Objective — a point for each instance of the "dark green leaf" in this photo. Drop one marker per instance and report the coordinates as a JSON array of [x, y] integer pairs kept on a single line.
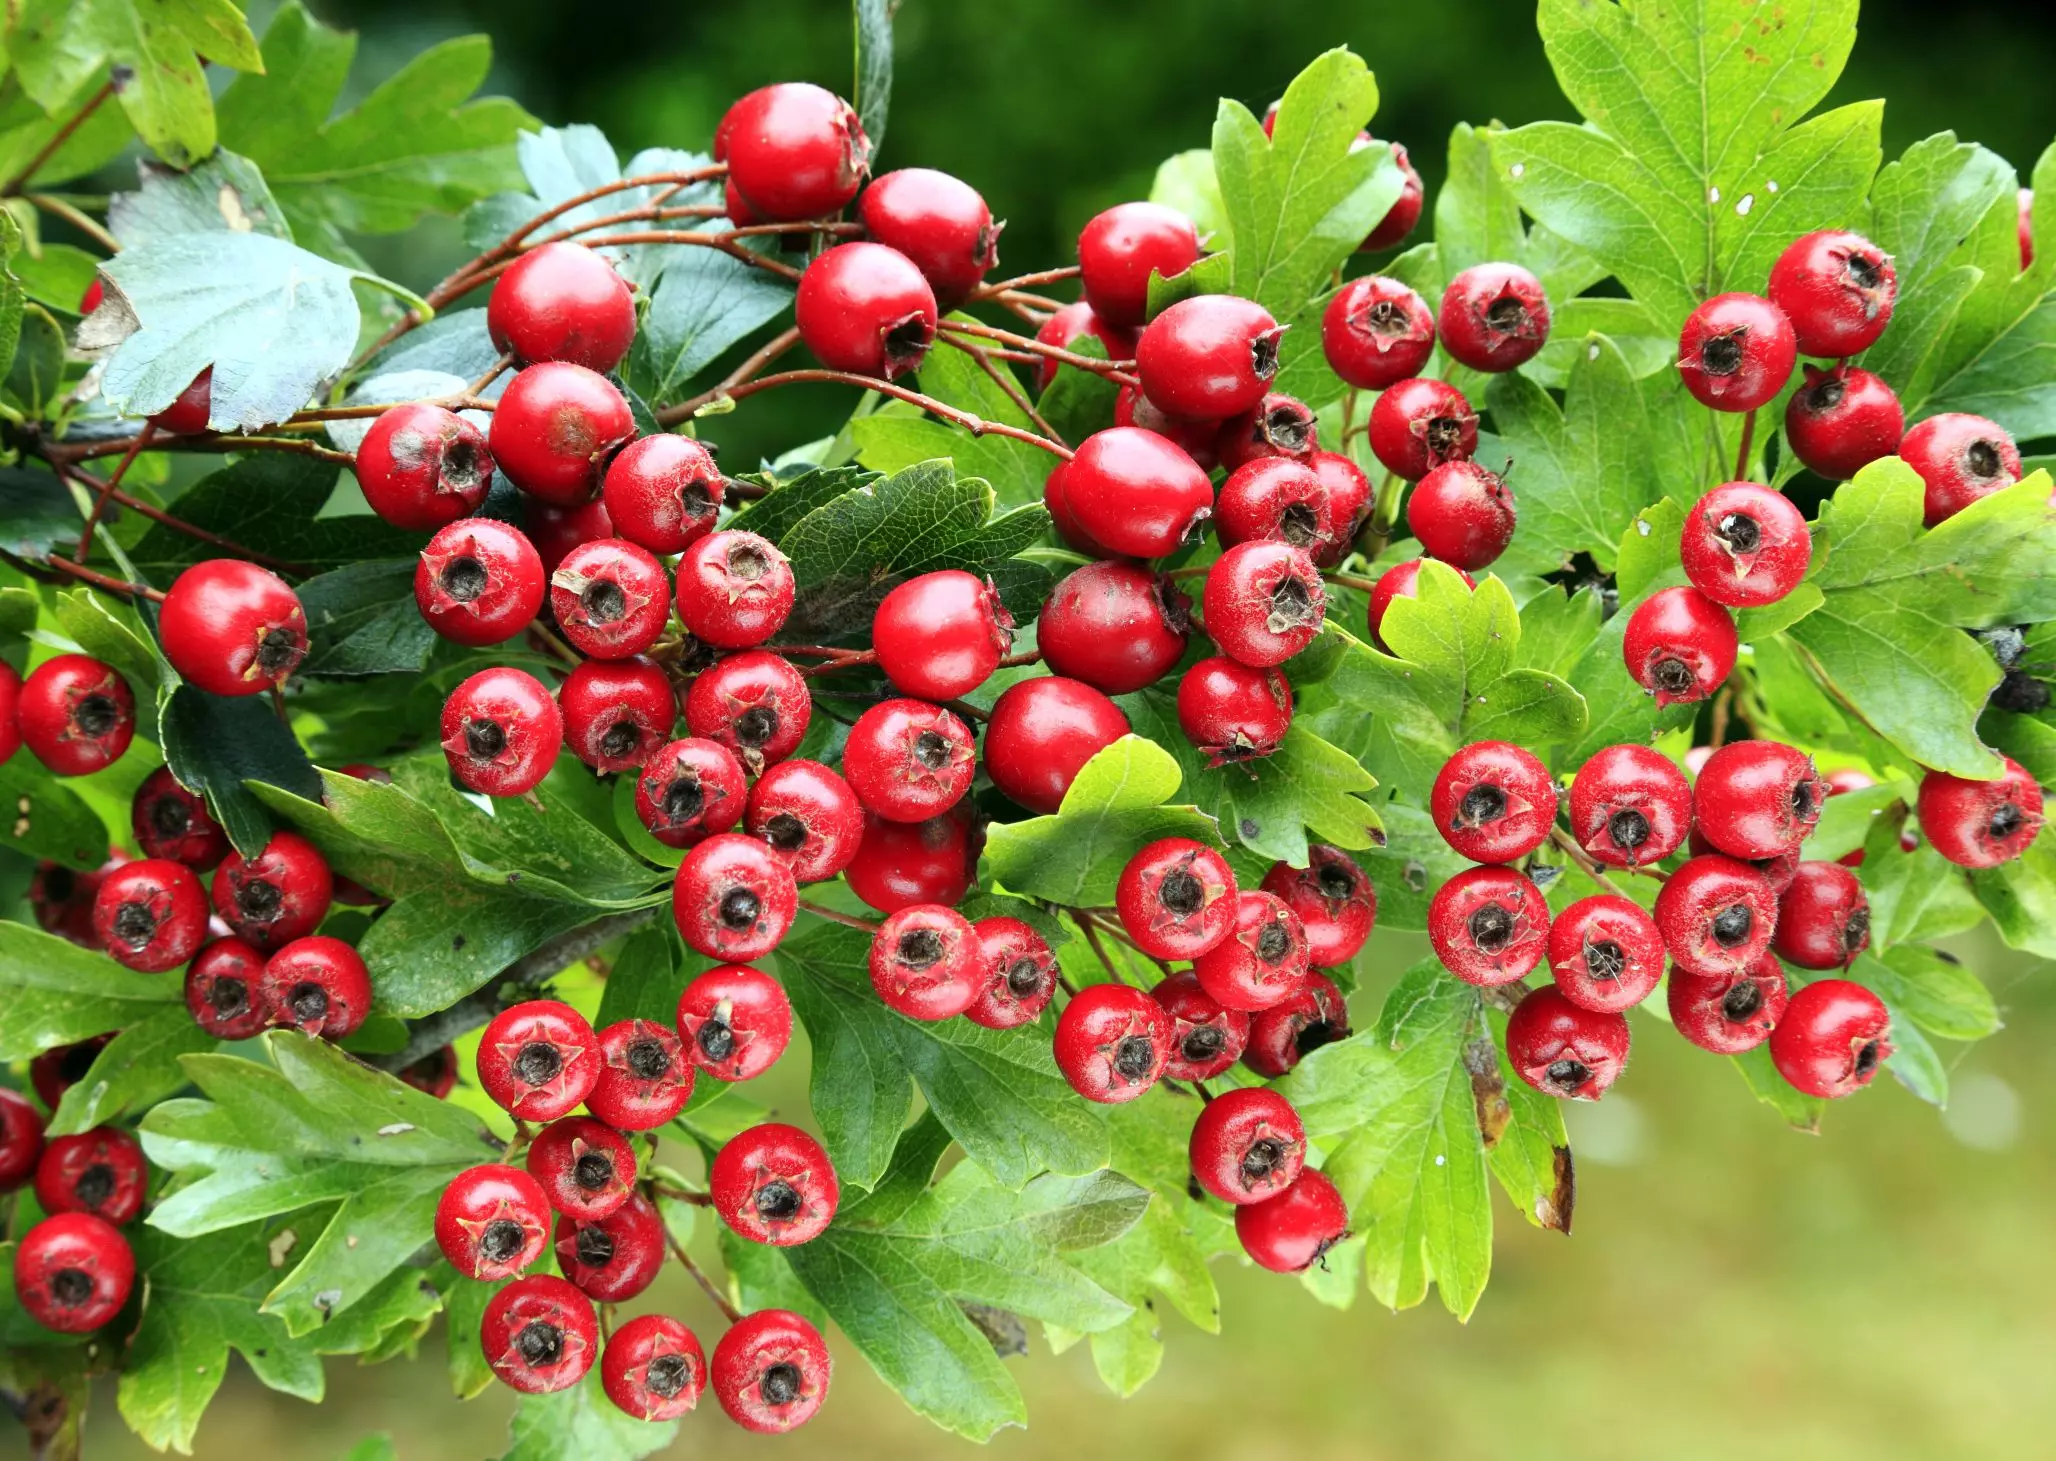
[[271, 502], [214, 745], [133, 1071], [36, 511], [362, 620], [46, 819], [52, 992], [873, 93], [704, 301], [1933, 991], [647, 977]]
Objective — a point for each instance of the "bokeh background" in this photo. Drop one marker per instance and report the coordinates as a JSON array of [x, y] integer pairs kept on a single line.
[[1733, 1287]]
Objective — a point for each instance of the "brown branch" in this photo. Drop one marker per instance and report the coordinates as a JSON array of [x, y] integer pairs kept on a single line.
[[769, 351], [845, 919], [728, 1310], [84, 222], [1569, 845], [113, 481], [177, 524], [62, 135], [1004, 379], [101, 580], [1111, 369], [1021, 281], [976, 425]]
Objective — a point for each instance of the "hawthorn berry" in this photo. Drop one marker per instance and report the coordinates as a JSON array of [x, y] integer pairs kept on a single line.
[[1335, 902], [539, 1059], [1261, 961], [1981, 823], [501, 732], [663, 492], [1630, 806], [1176, 898], [1605, 953], [645, 1078], [1206, 1036], [1296, 1026], [610, 598], [899, 864], [939, 222], [279, 895], [653, 1368], [76, 714], [150, 915], [1744, 545], [927, 962], [586, 1167], [735, 1022], [562, 301], [1075, 322], [865, 309], [492, 1221], [554, 429], [192, 410], [1112, 1043], [317, 985], [1115, 626], [1376, 332], [21, 1139], [774, 1184], [1462, 514], [423, 467], [1349, 502], [1294, 1230], [1493, 802], [479, 582], [1961, 458], [435, 1074], [941, 635], [1563, 1049], [1208, 357], [1040, 734], [539, 1334], [63, 897], [99, 1171], [1716, 915], [1488, 925], [1401, 581], [1119, 249], [2026, 229], [617, 714], [733, 898], [1135, 492], [1277, 426], [770, 1371], [808, 816], [1736, 352], [754, 703], [1234, 712], [689, 790], [172, 822], [222, 990], [1837, 288], [1275, 499], [1842, 420], [794, 150], [1823, 917], [1494, 317], [1729, 1013], [612, 1259], [1058, 504], [1758, 799], [73, 1272], [734, 589], [556, 528], [1016, 974], [1247, 1145], [908, 761], [1680, 645], [1401, 218], [1417, 425], [1833, 1039]]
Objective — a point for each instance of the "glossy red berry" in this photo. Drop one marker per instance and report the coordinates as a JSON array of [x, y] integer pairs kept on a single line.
[[73, 1272], [770, 1371], [612, 1259], [1277, 426], [1208, 357], [1744, 545], [1493, 802], [1494, 317], [1112, 1043], [1777, 870], [1040, 735], [1349, 503], [1981, 823], [434, 1074], [554, 429], [1401, 218], [232, 628], [794, 150], [1630, 806], [501, 732], [1296, 1026], [10, 711], [1116, 626], [1075, 322], [479, 582], [610, 598], [941, 635], [1065, 521], [539, 1334], [1291, 1232], [317, 985], [1961, 458], [1263, 959], [1401, 581], [774, 1184], [99, 1171], [1736, 352], [492, 1221], [586, 1167], [1376, 332], [62, 898], [908, 761], [1462, 514], [1234, 712], [1275, 499], [927, 962], [21, 1140], [422, 467], [1206, 1036], [1680, 645], [562, 301], [663, 492], [1563, 1049], [172, 822], [1177, 898], [1842, 420], [2026, 229], [150, 915], [645, 1078], [96, 291], [1758, 798], [733, 898], [1334, 900], [1823, 917], [539, 1059], [1605, 953], [1729, 1013], [735, 1022], [1017, 974], [1135, 492], [1837, 288], [734, 589], [279, 895], [1488, 925], [653, 1368], [1833, 1039], [1717, 915], [865, 309], [556, 528], [192, 411], [754, 703], [618, 713], [1247, 1145], [1417, 425], [808, 816], [899, 864], [938, 221], [1120, 248], [76, 714], [688, 790]]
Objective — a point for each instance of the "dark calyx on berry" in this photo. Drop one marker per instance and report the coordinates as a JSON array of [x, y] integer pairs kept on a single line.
[[259, 900], [308, 1001], [277, 651], [1605, 960], [595, 1246], [170, 817], [1482, 803], [501, 1240], [485, 739], [1273, 942], [2006, 820], [778, 1201], [1262, 1159], [1134, 1057], [683, 799], [1720, 355], [1742, 1001], [95, 715], [1672, 675], [463, 579], [603, 601], [648, 1060], [593, 1170], [1629, 829], [71, 1287], [931, 749], [1856, 932], [666, 1375], [756, 726], [1182, 893], [1024, 978], [781, 1384], [1732, 925], [228, 997], [716, 1039], [1739, 531], [1491, 928], [95, 1185], [1301, 528], [1204, 1043], [786, 832], [1292, 602], [1316, 1033], [538, 1063], [134, 924], [740, 908], [1335, 883], [620, 738], [920, 948], [1567, 1074], [539, 1343]]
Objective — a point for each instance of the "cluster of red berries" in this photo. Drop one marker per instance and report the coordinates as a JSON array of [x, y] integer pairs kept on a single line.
[[74, 1269]]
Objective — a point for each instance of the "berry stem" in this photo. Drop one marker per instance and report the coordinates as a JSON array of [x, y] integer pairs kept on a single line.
[[84, 222], [101, 580], [833, 916], [1723, 708], [976, 425], [1351, 580], [1024, 281], [1384, 513], [113, 481], [682, 1194], [1091, 931], [15, 184], [177, 524], [728, 1310], [1569, 845], [1004, 379], [1111, 369], [1748, 440]]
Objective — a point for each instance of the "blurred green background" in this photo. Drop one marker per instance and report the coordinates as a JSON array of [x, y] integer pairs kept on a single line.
[[1733, 1288]]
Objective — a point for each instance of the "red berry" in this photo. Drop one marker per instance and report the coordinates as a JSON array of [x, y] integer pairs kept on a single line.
[[1823, 917], [501, 732], [96, 291], [435, 1074], [1335, 902], [808, 816], [754, 703], [1017, 974], [1199, 440], [422, 467], [1842, 420], [57, 1070], [1837, 289], [1234, 712], [1745, 545], [539, 1059], [908, 761], [492, 1221], [1961, 458], [562, 301], [1462, 514], [1275, 499], [1605, 953], [2026, 230], [1206, 1036], [279, 895], [663, 492], [539, 1334], [733, 898], [927, 962], [865, 309], [99, 1171], [1276, 426], [1376, 332], [770, 1372], [192, 412], [1758, 799], [1063, 519], [10, 711], [1729, 1013], [1247, 1145], [793, 150], [1494, 317], [1177, 898], [1068, 326], [689, 790], [1401, 581], [1040, 735], [1263, 959], [1716, 915], [1136, 492], [774, 1184], [1120, 248], [1488, 925], [1116, 626], [150, 915], [1403, 215], [1296, 1026], [1630, 806], [73, 1272], [735, 1022], [21, 1140], [1292, 1232], [1680, 645], [63, 898], [172, 822], [1349, 502], [1834, 1037], [938, 221], [554, 429], [617, 713], [556, 528], [479, 582], [76, 714], [1493, 802], [232, 628], [610, 598], [612, 1259], [645, 1078], [317, 985], [734, 589], [1417, 425], [586, 1167], [1564, 1050], [942, 634], [653, 1368], [899, 864], [1736, 352], [1981, 823], [1208, 357], [1112, 1043]]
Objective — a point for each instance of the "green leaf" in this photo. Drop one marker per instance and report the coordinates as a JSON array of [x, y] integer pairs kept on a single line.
[[362, 619], [1932, 989], [873, 92], [13, 298], [703, 302], [35, 378], [1186, 181], [224, 194], [133, 1071], [36, 512], [1914, 896], [52, 992], [582, 1422], [1525, 1142], [1801, 1111], [271, 502], [1478, 221], [1407, 870], [1914, 1062], [46, 819], [2021, 897], [1079, 402], [215, 745], [26, 129], [647, 978], [782, 506]]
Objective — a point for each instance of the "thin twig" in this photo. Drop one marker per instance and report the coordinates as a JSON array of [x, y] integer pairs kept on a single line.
[[1111, 369], [1591, 869], [178, 524], [101, 580], [1021, 281], [845, 919], [728, 1310], [61, 136], [1748, 439], [113, 481], [1004, 379], [769, 351], [84, 222], [976, 425]]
